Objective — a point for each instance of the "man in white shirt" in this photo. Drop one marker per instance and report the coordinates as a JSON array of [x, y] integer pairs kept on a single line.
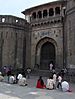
[[19, 76], [12, 79], [54, 78], [65, 86], [59, 81], [1, 77]]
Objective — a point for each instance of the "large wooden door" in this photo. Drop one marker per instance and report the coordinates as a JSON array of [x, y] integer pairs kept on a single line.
[[47, 55]]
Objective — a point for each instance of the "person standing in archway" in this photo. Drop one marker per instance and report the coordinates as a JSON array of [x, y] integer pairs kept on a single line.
[[51, 66]]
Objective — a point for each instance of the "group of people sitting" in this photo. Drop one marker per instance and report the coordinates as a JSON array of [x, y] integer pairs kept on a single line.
[[51, 82], [54, 82], [20, 79], [14, 79]]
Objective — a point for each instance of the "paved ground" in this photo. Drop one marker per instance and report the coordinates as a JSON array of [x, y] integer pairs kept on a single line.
[[10, 91]]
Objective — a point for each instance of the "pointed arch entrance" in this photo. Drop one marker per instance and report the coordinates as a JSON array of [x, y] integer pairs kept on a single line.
[[46, 50], [47, 55]]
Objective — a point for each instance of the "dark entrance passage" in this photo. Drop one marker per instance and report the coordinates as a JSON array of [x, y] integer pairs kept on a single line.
[[47, 55]]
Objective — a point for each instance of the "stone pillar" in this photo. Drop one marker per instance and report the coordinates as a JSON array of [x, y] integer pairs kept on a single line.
[[54, 11]]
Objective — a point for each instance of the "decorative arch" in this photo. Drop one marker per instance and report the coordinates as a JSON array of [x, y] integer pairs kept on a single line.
[[41, 59]]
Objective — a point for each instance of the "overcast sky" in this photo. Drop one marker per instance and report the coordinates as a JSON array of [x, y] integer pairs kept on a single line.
[[15, 7]]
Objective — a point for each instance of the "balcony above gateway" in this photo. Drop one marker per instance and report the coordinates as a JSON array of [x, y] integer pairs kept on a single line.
[[49, 11], [50, 20]]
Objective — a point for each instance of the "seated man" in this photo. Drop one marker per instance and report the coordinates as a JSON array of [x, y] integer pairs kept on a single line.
[[50, 83], [1, 77], [19, 76], [65, 86], [12, 79], [40, 83]]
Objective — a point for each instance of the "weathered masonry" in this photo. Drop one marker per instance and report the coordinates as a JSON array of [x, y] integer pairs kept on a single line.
[[13, 36], [47, 34]]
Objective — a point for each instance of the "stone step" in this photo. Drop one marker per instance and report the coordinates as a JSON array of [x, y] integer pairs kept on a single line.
[[44, 73]]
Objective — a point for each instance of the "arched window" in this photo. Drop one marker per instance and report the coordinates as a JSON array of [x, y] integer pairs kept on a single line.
[[44, 13], [3, 19], [39, 14], [57, 10], [51, 12], [34, 15]]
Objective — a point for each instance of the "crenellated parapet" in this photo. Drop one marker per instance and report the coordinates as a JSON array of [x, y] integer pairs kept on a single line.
[[12, 20]]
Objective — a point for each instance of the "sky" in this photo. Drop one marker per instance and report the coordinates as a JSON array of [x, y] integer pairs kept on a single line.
[[15, 7]]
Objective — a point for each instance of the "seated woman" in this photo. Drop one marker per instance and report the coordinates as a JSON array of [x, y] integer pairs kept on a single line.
[[50, 83], [22, 81], [40, 83]]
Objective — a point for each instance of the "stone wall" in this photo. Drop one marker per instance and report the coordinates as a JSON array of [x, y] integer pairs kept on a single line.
[[19, 39], [13, 32], [70, 33]]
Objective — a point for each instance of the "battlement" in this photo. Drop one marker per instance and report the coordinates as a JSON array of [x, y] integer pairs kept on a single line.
[[9, 19]]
